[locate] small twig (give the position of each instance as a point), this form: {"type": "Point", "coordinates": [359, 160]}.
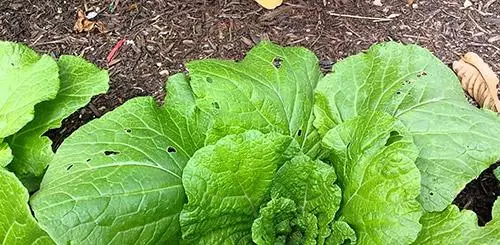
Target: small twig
{"type": "Point", "coordinates": [51, 42]}
{"type": "Point", "coordinates": [482, 13]}
{"type": "Point", "coordinates": [477, 25]}
{"type": "Point", "coordinates": [432, 15]}
{"type": "Point", "coordinates": [359, 17]}
{"type": "Point", "coordinates": [452, 15]}
{"type": "Point", "coordinates": [489, 3]}
{"type": "Point", "coordinates": [417, 37]}
{"type": "Point", "coordinates": [37, 39]}
{"type": "Point", "coordinates": [316, 40]}
{"type": "Point", "coordinates": [484, 45]}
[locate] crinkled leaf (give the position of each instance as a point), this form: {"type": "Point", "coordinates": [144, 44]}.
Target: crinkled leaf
{"type": "Point", "coordinates": [456, 141]}
{"type": "Point", "coordinates": [342, 234]}
{"type": "Point", "coordinates": [308, 230]}
{"type": "Point", "coordinates": [26, 79]}
{"type": "Point", "coordinates": [304, 202]}
{"type": "Point", "coordinates": [17, 225]}
{"type": "Point", "coordinates": [374, 158]}
{"type": "Point", "coordinates": [301, 229]}
{"type": "Point", "coordinates": [226, 183]}
{"type": "Point", "coordinates": [275, 223]}
{"type": "Point", "coordinates": [453, 226]}
{"type": "Point", "coordinates": [310, 185]}
{"type": "Point", "coordinates": [117, 180]}
{"type": "Point", "coordinates": [271, 90]}
{"type": "Point", "coordinates": [5, 154]}
{"type": "Point", "coordinates": [80, 81]}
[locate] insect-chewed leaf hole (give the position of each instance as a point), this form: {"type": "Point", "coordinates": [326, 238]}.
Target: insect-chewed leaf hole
{"type": "Point", "coordinates": [210, 80]}
{"type": "Point", "coordinates": [277, 62]}
{"type": "Point", "coordinates": [69, 167]}
{"type": "Point", "coordinates": [394, 136]}
{"type": "Point", "coordinates": [109, 153]}
{"type": "Point", "coordinates": [423, 73]}
{"type": "Point", "coordinates": [171, 149]}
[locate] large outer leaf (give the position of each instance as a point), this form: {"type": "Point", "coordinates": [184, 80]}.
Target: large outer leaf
{"type": "Point", "coordinates": [374, 158]}
{"type": "Point", "coordinates": [453, 226]}
{"type": "Point", "coordinates": [226, 183]}
{"type": "Point", "coordinates": [271, 90]}
{"type": "Point", "coordinates": [80, 81]}
{"type": "Point", "coordinates": [26, 79]}
{"type": "Point", "coordinates": [17, 225]}
{"type": "Point", "coordinates": [117, 180]}
{"type": "Point", "coordinates": [456, 141]}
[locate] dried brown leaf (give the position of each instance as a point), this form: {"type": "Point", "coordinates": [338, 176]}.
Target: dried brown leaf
{"type": "Point", "coordinates": [101, 27]}
{"type": "Point", "coordinates": [83, 24]}
{"type": "Point", "coordinates": [80, 17]}
{"type": "Point", "coordinates": [479, 80]}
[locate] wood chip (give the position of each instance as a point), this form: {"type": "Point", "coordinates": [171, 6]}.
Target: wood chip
{"type": "Point", "coordinates": [377, 3]}
{"type": "Point", "coordinates": [467, 3]}
{"type": "Point", "coordinates": [494, 39]}
{"type": "Point", "coordinates": [275, 13]}
{"type": "Point", "coordinates": [247, 41]}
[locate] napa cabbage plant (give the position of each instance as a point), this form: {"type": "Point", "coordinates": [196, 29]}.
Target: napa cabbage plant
{"type": "Point", "coordinates": [268, 150]}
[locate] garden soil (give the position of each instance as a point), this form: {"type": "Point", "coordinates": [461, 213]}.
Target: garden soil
{"type": "Point", "coordinates": [165, 34]}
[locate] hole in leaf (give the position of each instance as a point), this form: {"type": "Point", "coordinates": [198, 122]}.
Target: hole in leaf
{"type": "Point", "coordinates": [393, 137]}
{"type": "Point", "coordinates": [277, 62]}
{"type": "Point", "coordinates": [399, 92]}
{"type": "Point", "coordinates": [69, 167]}
{"type": "Point", "coordinates": [431, 193]}
{"type": "Point", "coordinates": [171, 149]}
{"type": "Point", "coordinates": [423, 73]}
{"type": "Point", "coordinates": [480, 194]}
{"type": "Point", "coordinates": [109, 153]}
{"type": "Point", "coordinates": [88, 160]}
{"type": "Point", "coordinates": [210, 80]}
{"type": "Point", "coordinates": [129, 130]}
{"type": "Point", "coordinates": [299, 133]}
{"type": "Point", "coordinates": [216, 105]}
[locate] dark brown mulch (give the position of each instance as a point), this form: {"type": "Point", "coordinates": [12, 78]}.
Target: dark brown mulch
{"type": "Point", "coordinates": [480, 195]}
{"type": "Point", "coordinates": [167, 33]}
